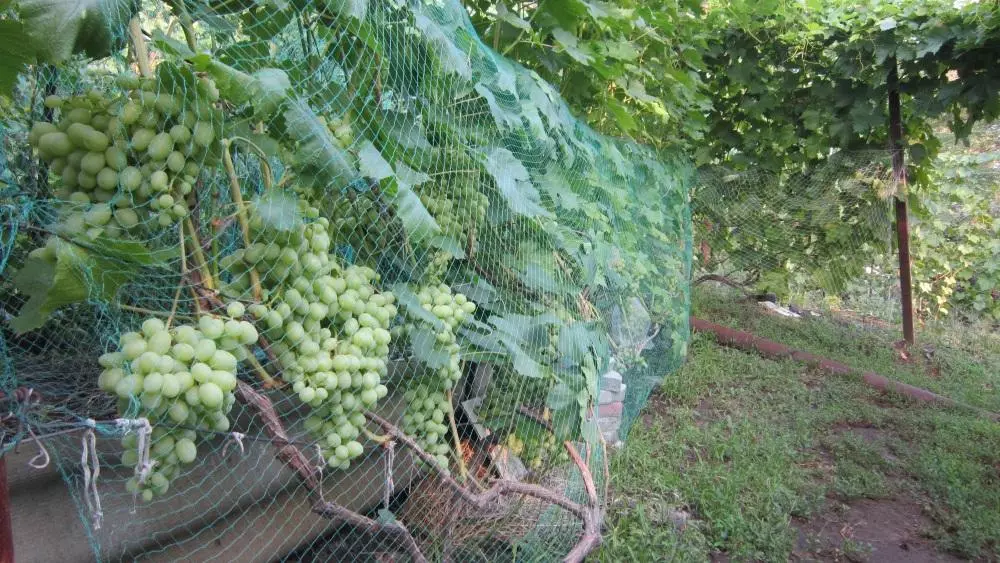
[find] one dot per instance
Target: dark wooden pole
(6, 532)
(902, 224)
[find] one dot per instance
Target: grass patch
(749, 449)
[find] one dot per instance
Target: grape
(427, 401)
(161, 367)
(138, 148)
(313, 321)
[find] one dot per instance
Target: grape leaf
(504, 14)
(371, 163)
(318, 152)
(15, 54)
(57, 29)
(76, 275)
(513, 181)
(278, 210)
(411, 306)
(417, 221)
(423, 344)
(571, 45)
(269, 89)
(560, 396)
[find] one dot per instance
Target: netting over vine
(322, 281)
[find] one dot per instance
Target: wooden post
(902, 224)
(6, 531)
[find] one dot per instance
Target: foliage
(632, 68)
(242, 146)
(956, 237)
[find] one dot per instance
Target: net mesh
(822, 240)
(255, 231)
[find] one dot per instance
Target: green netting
(338, 210)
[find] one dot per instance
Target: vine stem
(241, 213)
(589, 514)
(180, 282)
(187, 25)
(199, 256)
(293, 457)
(462, 470)
(139, 47)
(381, 439)
(262, 374)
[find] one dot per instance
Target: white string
(238, 438)
(319, 469)
(91, 471)
(389, 461)
(143, 467)
(42, 452)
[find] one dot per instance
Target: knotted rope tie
(144, 466)
(91, 471)
(237, 437)
(390, 458)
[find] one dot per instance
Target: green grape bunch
(126, 163)
(279, 254)
(182, 380)
(331, 336)
(456, 206)
(328, 325)
(427, 399)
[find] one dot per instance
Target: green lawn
(741, 457)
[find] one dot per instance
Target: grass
(735, 453)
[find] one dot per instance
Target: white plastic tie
(237, 438)
(143, 467)
(319, 469)
(390, 458)
(43, 453)
(91, 471)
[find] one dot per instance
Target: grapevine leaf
(423, 344)
(170, 45)
(356, 9)
(591, 432)
(269, 89)
(540, 277)
(481, 292)
(410, 176)
(371, 163)
(504, 118)
(76, 275)
(127, 251)
(448, 244)
(505, 15)
(560, 396)
(449, 56)
(576, 342)
(520, 360)
(57, 29)
(278, 211)
(571, 45)
(417, 221)
(14, 54)
(411, 305)
(513, 181)
(318, 151)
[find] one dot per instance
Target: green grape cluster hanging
(427, 400)
(183, 380)
(456, 206)
(126, 163)
(328, 325)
